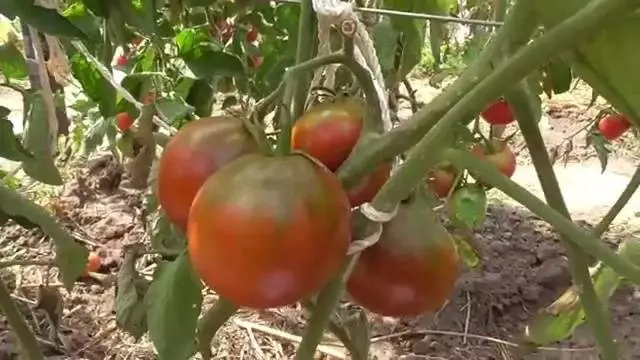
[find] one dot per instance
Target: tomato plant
(269, 231)
(195, 153)
(613, 126)
(411, 270)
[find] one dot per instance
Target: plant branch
(587, 241)
(589, 20)
(209, 324)
(597, 316)
(28, 345)
(325, 303)
(304, 52)
(624, 198)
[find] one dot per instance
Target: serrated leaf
(10, 146)
(173, 305)
(37, 140)
(467, 206)
(558, 321)
(46, 20)
(95, 86)
(12, 63)
(129, 304)
(600, 144)
(71, 257)
(469, 255)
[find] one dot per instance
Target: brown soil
(524, 269)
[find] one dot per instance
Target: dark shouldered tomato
(267, 231)
(498, 113)
(329, 131)
(369, 186)
(441, 179)
(197, 151)
(613, 126)
(411, 270)
(501, 156)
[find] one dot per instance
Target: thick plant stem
(578, 27)
(587, 241)
(369, 154)
(597, 316)
(28, 344)
(297, 91)
(209, 324)
(628, 192)
(325, 303)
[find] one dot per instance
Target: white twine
(359, 245)
(334, 12)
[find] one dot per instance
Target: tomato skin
(329, 131)
(498, 113)
(197, 151)
(94, 263)
(124, 121)
(503, 158)
(369, 186)
(255, 61)
(411, 270)
(613, 126)
(122, 61)
(267, 231)
(441, 180)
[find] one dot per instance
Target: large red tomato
(369, 186)
(329, 131)
(267, 231)
(411, 270)
(501, 156)
(198, 150)
(613, 126)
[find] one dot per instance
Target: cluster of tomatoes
(496, 152)
(224, 30)
(270, 230)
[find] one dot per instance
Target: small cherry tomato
(498, 113)
(252, 34)
(613, 126)
(122, 61)
(94, 263)
(124, 121)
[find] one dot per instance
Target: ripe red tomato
(613, 126)
(124, 121)
(197, 151)
(267, 231)
(412, 269)
(498, 113)
(94, 263)
(441, 180)
(329, 131)
(369, 186)
(252, 34)
(502, 156)
(122, 61)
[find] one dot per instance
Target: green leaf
(558, 321)
(468, 206)
(201, 97)
(600, 144)
(12, 63)
(609, 61)
(167, 239)
(385, 40)
(71, 257)
(558, 76)
(79, 15)
(93, 83)
(174, 109)
(10, 146)
(129, 304)
(469, 255)
(37, 140)
(96, 133)
(173, 304)
(46, 20)
(359, 330)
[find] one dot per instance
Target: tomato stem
(591, 244)
(209, 324)
(26, 338)
(597, 316)
(624, 198)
